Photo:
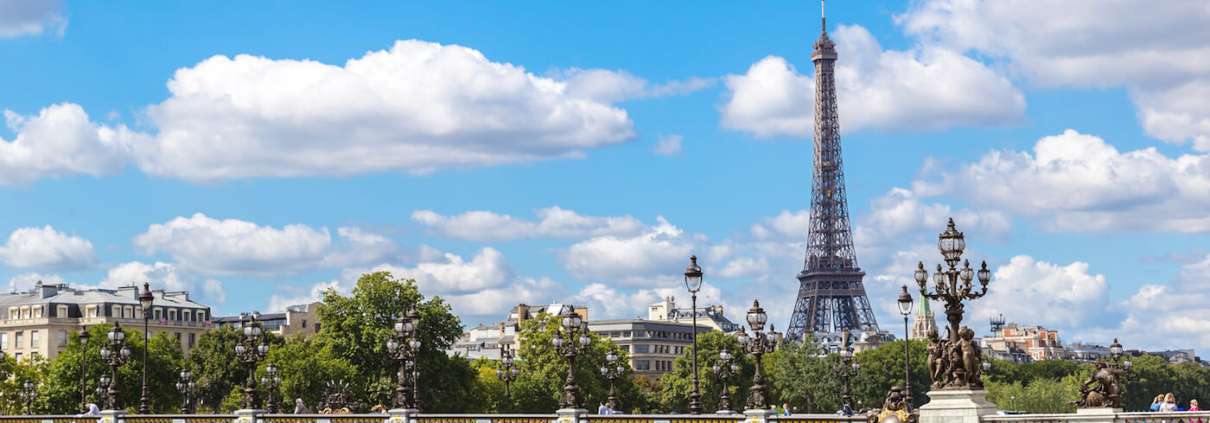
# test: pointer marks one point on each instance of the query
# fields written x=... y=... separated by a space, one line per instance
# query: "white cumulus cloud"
x=207 y=245
x=926 y=87
x=1157 y=50
x=417 y=107
x=62 y=140
x=661 y=250
x=46 y=248
x=553 y=222
x=31 y=17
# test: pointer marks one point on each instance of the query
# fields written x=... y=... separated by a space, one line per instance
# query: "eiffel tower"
x=831 y=296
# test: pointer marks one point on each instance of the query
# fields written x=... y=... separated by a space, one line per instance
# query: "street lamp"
x=952 y=286
x=724 y=370
x=693 y=282
x=846 y=371
x=402 y=346
x=252 y=348
x=757 y=346
x=115 y=354
x=507 y=372
x=145 y=300
x=905 y=308
x=611 y=371
x=271 y=380
x=28 y=393
x=570 y=341
x=83 y=337
x=186 y=386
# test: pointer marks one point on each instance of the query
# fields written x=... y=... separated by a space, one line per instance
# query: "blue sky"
x=256 y=153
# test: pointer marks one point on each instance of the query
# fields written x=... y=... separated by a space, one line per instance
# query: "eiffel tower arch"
x=831 y=295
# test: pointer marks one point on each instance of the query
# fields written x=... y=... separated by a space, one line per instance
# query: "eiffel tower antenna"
x=831 y=295
x=823 y=15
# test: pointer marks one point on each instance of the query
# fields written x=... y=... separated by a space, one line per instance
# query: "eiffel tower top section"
x=830 y=240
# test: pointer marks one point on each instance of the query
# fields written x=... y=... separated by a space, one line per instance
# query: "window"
x=201 y=315
x=316 y=327
x=187 y=315
x=172 y=315
x=116 y=311
x=128 y=312
x=158 y=313
x=24 y=312
x=92 y=311
x=4 y=340
x=33 y=339
x=61 y=311
x=642 y=365
x=14 y=314
x=38 y=312
x=61 y=338
x=642 y=348
x=304 y=323
x=19 y=340
x=192 y=340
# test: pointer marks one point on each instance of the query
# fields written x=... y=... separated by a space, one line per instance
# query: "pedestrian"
x=601 y=409
x=1193 y=407
x=1157 y=402
x=1169 y=404
x=785 y=408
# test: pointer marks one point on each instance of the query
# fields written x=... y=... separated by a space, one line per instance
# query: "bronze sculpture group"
x=955 y=363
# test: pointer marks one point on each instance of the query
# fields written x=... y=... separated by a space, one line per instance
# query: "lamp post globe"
x=693 y=283
x=146 y=299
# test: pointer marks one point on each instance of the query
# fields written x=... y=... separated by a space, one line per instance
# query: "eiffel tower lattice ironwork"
x=831 y=296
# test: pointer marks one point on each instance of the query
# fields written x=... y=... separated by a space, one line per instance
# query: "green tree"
x=60 y=389
x=539 y=384
x=305 y=365
x=357 y=327
x=882 y=367
x=215 y=369
x=803 y=378
x=17 y=373
x=676 y=385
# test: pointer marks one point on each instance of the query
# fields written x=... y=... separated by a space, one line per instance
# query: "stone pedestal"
x=402 y=415
x=956 y=406
x=1097 y=415
x=757 y=415
x=570 y=415
x=247 y=415
x=111 y=416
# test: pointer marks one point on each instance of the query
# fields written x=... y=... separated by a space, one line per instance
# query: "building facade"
x=299 y=319
x=652 y=346
x=707 y=315
x=1037 y=342
x=39 y=321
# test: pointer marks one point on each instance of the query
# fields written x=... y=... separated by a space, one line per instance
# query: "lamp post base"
x=757 y=415
x=111 y=416
x=956 y=406
x=402 y=415
x=247 y=415
x=570 y=415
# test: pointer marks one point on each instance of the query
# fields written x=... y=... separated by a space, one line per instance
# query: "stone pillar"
x=402 y=415
x=248 y=415
x=570 y=415
x=1097 y=415
x=956 y=406
x=112 y=416
x=757 y=415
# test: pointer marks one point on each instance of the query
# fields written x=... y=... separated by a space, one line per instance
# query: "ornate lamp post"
x=570 y=341
x=756 y=345
x=115 y=354
x=693 y=282
x=28 y=393
x=145 y=299
x=952 y=286
x=253 y=347
x=270 y=381
x=83 y=336
x=905 y=308
x=1103 y=389
x=612 y=370
x=186 y=387
x=847 y=370
x=403 y=346
x=724 y=370
x=102 y=388
x=507 y=372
